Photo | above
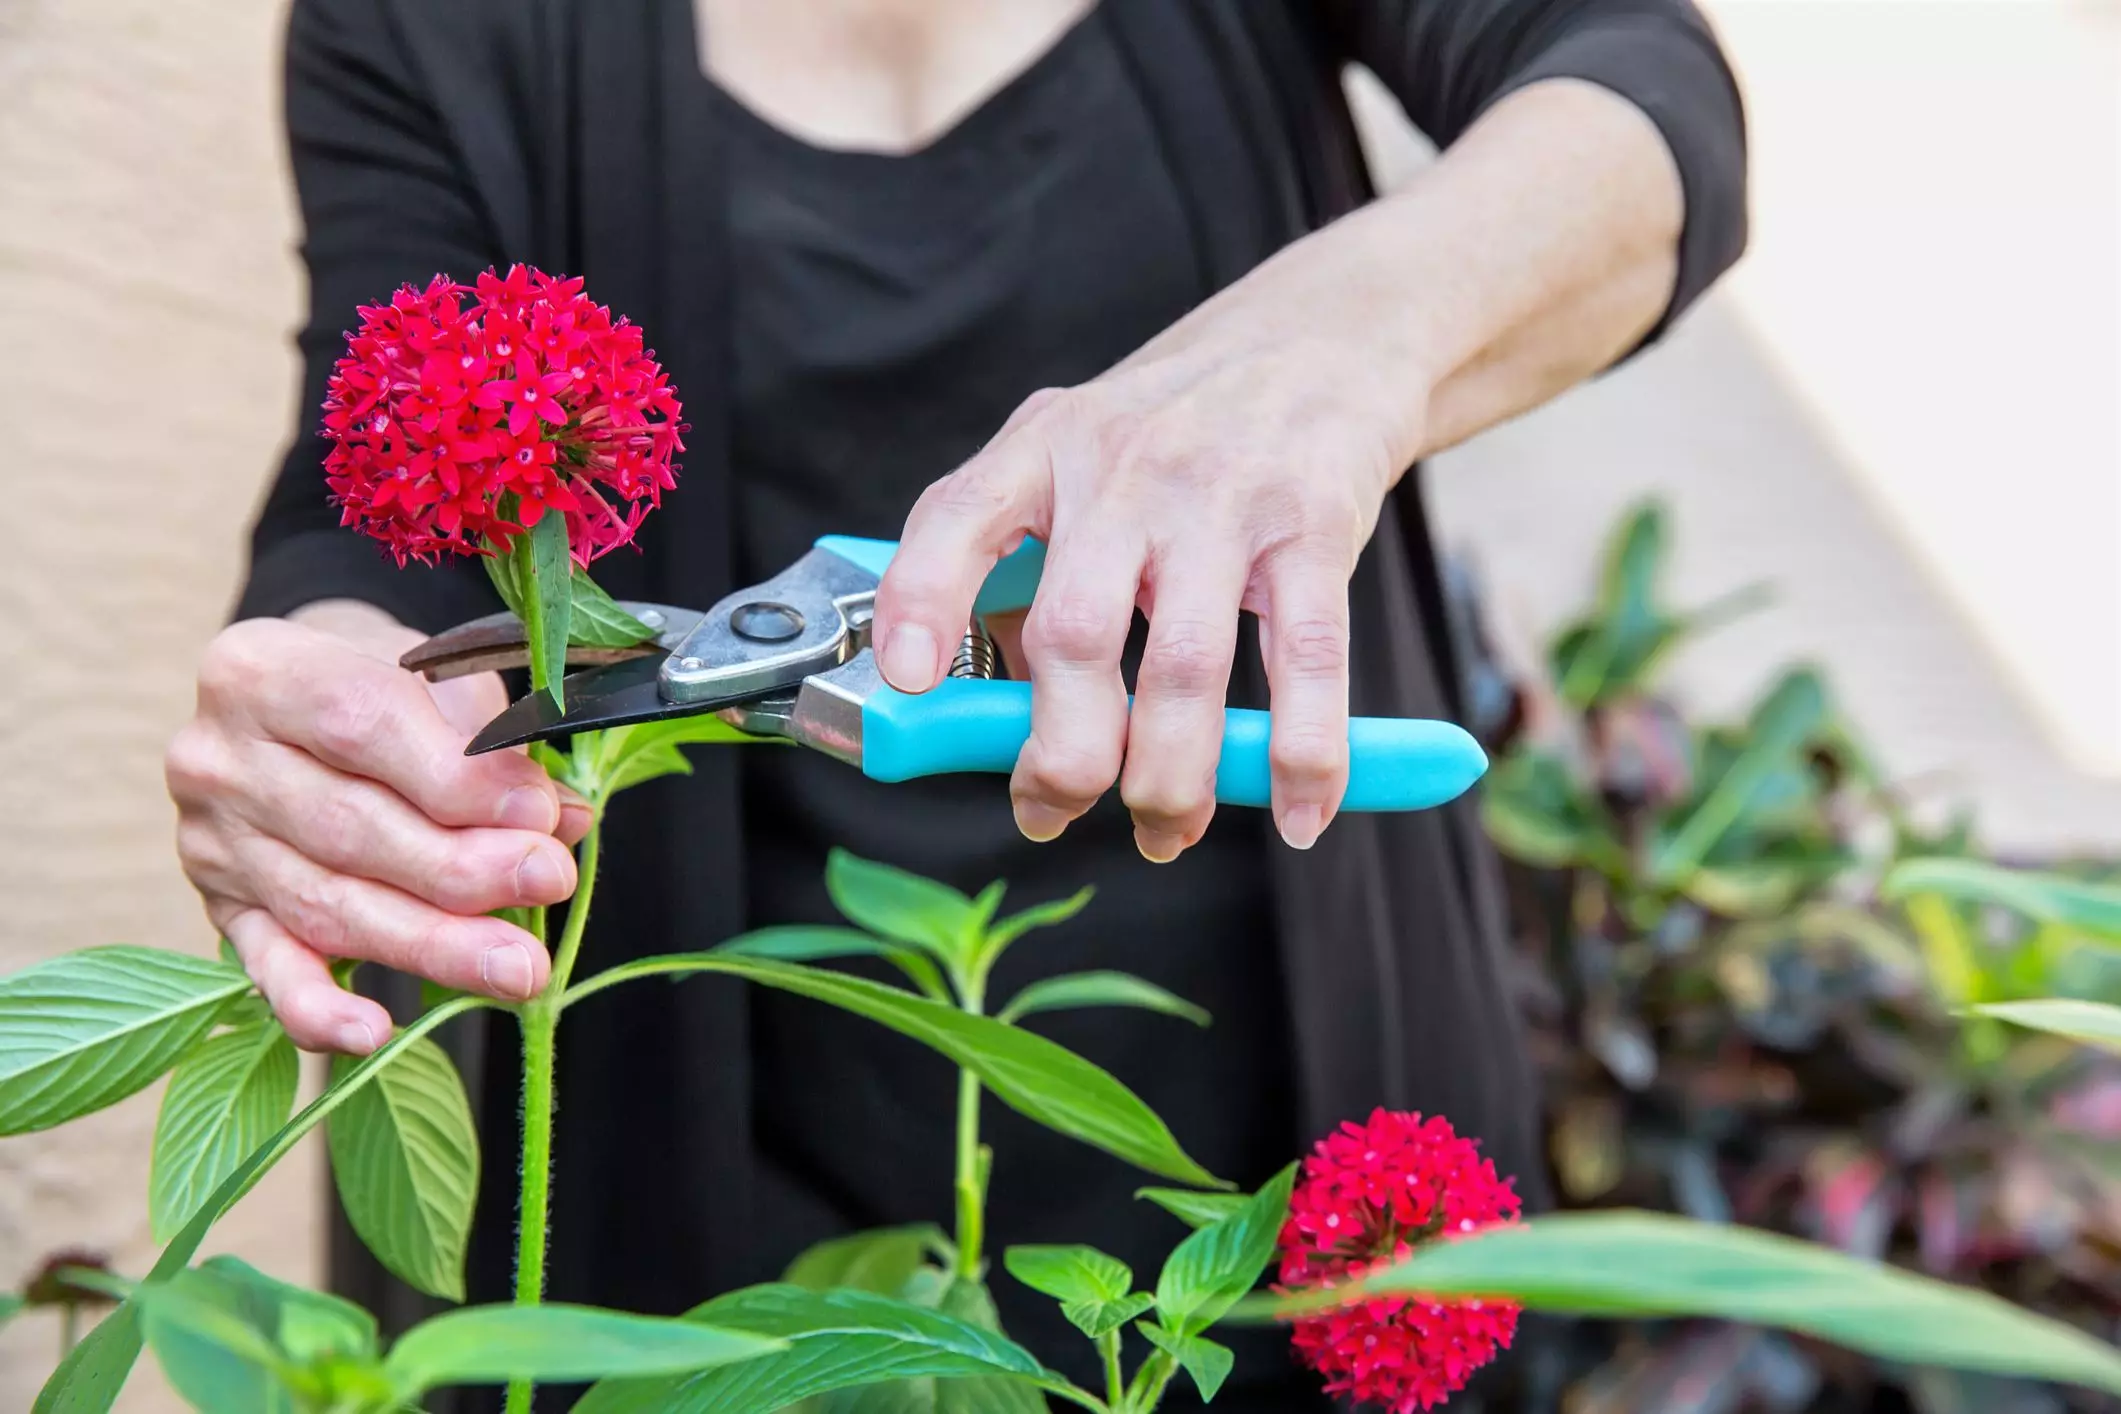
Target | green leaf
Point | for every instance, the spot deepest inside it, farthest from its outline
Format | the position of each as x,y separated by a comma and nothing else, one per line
903,907
1534,812
1086,989
598,621
1041,915
211,1352
1787,718
558,1342
968,1300
544,574
88,1380
405,1157
835,1340
1207,1273
11,1306
2087,908
89,1029
1091,1286
1630,1264
1030,1074
1208,1363
1070,1273
879,1260
307,1325
1194,1209
632,755
226,1098
2094,1023
804,943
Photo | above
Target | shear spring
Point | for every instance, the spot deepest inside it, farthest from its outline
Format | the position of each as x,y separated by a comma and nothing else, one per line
975,656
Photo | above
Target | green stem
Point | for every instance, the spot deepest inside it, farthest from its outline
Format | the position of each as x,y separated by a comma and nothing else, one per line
540,1018
1115,1380
971,1199
69,1329
1149,1382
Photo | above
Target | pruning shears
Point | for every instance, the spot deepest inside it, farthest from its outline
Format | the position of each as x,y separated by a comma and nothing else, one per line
790,658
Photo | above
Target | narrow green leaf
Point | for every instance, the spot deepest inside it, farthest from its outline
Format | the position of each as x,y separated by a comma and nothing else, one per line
1627,1264
88,1380
633,755
307,1325
558,1342
1042,915
2094,1023
903,907
1030,1074
835,1340
1208,1363
545,575
10,1307
879,1260
1088,989
503,571
968,1300
1792,713
1097,1319
804,943
1207,1273
405,1157
598,621
1194,1209
1070,1273
89,1029
225,1098
2087,908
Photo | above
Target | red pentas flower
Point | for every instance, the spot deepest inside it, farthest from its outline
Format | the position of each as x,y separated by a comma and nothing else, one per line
452,397
1369,1195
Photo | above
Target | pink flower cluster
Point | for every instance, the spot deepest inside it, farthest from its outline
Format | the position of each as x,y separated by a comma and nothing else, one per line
440,408
1370,1194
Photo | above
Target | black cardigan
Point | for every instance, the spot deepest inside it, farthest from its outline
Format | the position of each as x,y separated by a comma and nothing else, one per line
451,136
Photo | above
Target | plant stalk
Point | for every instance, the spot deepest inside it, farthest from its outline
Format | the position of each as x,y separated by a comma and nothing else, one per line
1115,1379
971,1204
540,1018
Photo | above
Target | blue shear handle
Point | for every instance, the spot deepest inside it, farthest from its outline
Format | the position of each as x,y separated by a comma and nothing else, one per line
1010,584
968,724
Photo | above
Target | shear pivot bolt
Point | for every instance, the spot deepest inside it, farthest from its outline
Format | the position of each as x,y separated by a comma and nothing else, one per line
765,622
691,665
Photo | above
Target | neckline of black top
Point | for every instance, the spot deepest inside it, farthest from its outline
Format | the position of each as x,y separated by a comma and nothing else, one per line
1012,112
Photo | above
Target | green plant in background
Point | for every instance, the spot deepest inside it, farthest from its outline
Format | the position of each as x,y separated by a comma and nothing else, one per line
1733,1022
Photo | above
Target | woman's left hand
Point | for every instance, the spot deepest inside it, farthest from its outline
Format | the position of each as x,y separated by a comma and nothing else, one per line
1236,462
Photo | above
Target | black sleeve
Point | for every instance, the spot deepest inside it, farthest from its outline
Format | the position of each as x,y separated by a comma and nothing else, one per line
1448,61
384,201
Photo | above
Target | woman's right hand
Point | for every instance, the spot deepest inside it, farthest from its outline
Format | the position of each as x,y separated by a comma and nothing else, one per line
326,809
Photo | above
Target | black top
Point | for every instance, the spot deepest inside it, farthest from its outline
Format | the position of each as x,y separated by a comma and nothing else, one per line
889,313
579,136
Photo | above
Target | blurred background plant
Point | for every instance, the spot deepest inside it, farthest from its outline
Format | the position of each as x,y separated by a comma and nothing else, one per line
1736,1016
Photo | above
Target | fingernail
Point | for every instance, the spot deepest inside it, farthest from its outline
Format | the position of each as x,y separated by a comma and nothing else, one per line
1039,822
529,808
540,878
1158,847
505,970
570,798
356,1038
1302,825
909,658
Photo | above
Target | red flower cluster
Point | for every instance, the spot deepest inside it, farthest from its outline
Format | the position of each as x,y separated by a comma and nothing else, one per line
1370,1194
440,409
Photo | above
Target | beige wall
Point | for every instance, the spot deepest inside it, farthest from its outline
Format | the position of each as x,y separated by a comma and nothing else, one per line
146,288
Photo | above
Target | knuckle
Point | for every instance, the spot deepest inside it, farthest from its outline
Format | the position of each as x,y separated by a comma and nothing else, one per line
1189,658
196,763
1315,647
1069,774
237,658
1307,753
464,881
1070,628
318,910
337,826
353,720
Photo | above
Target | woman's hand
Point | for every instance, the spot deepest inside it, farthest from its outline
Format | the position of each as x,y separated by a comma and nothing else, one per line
1240,459
325,809
1237,462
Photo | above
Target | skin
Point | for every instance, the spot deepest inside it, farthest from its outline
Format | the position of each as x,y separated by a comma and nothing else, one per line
1238,462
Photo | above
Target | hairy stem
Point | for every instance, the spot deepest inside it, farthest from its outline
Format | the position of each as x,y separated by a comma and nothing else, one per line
1149,1381
1115,1381
971,1200
540,1019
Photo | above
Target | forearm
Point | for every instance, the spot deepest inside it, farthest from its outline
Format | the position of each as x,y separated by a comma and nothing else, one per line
1535,251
